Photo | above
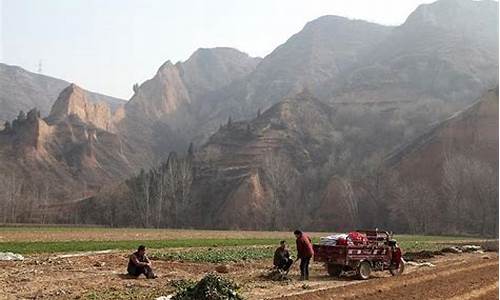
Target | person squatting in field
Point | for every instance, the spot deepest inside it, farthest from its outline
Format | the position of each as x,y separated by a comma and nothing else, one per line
282,260
139,263
304,253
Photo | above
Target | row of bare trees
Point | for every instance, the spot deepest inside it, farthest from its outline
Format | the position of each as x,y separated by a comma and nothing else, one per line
21,200
461,199
162,195
157,198
282,179
464,200
471,187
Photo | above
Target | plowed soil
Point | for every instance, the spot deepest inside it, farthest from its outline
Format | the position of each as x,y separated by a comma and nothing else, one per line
464,276
467,277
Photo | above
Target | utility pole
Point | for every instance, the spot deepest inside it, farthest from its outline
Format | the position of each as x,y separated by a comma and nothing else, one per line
40,66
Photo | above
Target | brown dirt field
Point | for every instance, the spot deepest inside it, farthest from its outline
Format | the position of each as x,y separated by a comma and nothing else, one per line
466,277
47,277
117,234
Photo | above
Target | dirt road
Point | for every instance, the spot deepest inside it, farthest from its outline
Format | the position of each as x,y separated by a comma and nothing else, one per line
469,277
464,276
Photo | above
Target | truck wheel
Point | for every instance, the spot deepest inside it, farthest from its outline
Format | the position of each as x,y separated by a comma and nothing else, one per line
364,270
399,270
334,270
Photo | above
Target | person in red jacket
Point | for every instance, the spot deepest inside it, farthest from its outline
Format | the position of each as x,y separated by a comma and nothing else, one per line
304,253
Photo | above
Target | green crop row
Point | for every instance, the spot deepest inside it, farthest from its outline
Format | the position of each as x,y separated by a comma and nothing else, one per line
217,255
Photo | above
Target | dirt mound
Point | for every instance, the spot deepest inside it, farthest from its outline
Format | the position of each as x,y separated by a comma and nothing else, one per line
421,255
276,275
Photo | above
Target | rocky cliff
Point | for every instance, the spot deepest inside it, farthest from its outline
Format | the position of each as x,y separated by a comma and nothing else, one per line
167,111
23,90
67,156
73,102
246,166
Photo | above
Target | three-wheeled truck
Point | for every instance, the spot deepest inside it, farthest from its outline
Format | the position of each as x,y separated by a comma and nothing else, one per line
377,252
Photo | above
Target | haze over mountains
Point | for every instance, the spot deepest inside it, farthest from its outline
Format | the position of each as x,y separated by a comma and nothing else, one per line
296,135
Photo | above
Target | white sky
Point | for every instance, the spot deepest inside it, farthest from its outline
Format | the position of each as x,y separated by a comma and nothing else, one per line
108,45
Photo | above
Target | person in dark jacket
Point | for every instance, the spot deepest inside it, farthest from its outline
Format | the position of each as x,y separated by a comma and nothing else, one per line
282,260
304,252
139,263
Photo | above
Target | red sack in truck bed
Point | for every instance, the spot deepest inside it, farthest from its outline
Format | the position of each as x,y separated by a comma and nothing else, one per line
357,237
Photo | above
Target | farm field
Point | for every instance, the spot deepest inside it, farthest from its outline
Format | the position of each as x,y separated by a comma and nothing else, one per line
51,270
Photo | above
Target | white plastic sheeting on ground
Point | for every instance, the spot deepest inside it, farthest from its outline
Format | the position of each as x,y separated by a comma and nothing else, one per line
416,264
10,256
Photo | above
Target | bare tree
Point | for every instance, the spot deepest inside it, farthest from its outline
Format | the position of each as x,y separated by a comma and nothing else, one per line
160,183
11,197
472,189
280,176
4,205
350,202
185,181
139,187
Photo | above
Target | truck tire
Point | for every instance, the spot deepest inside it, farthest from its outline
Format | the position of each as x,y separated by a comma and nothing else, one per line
334,270
399,270
364,270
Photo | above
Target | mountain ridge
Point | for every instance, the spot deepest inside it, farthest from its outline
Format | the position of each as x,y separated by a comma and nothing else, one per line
36,90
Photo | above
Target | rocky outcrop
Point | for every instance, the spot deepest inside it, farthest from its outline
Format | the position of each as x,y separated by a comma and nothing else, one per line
23,90
73,102
176,90
162,96
170,109
29,134
235,167
68,155
246,206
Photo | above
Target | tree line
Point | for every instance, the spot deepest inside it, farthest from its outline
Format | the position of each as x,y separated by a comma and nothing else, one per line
157,198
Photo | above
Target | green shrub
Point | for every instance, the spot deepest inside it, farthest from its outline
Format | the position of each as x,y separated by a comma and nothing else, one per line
211,287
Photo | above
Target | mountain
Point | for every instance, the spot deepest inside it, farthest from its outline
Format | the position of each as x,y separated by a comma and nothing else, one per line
296,138
23,90
445,52
451,172
328,47
84,145
69,155
246,166
323,51
166,111
180,89
444,55
248,174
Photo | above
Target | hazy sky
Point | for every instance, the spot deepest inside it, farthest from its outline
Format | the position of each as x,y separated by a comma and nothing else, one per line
107,45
